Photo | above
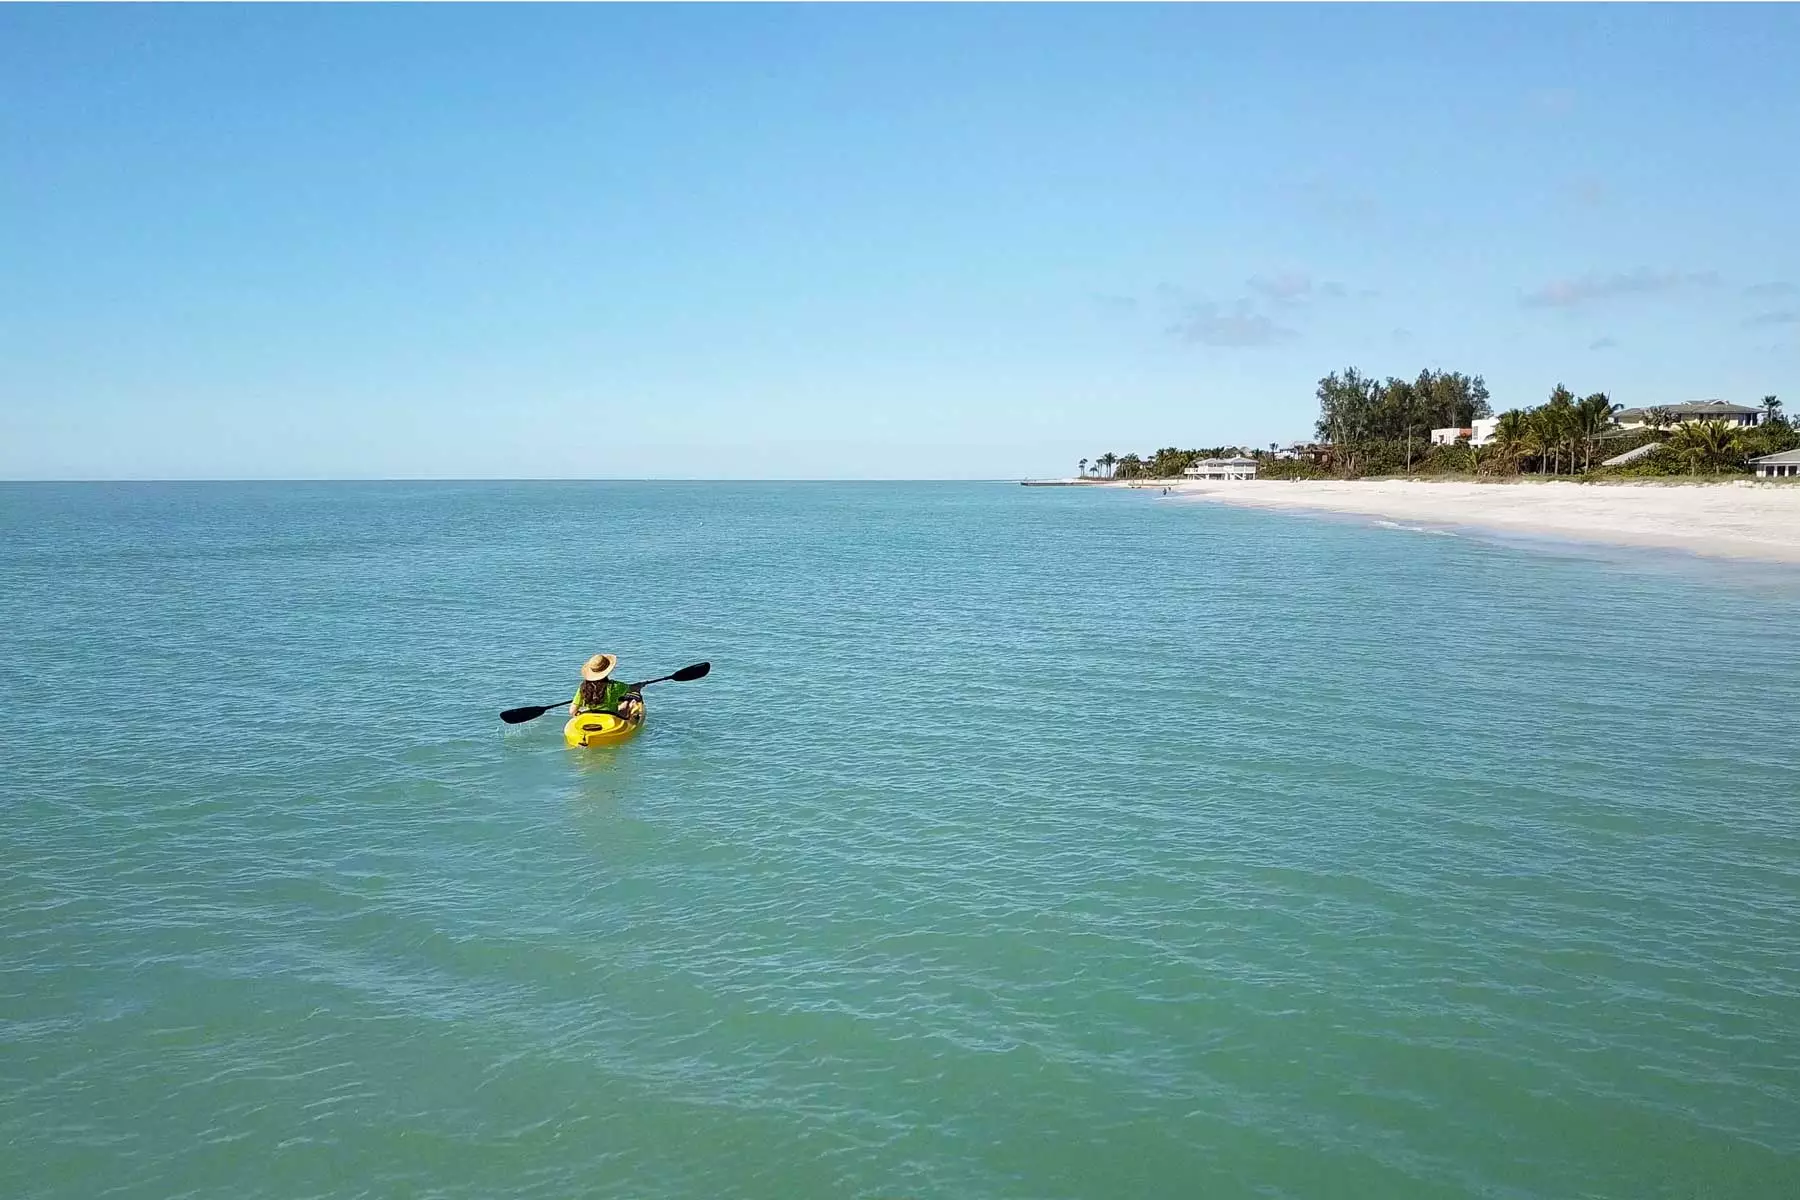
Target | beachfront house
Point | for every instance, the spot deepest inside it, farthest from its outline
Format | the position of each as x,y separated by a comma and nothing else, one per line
1697,410
1478,432
1785,465
1313,452
1237,467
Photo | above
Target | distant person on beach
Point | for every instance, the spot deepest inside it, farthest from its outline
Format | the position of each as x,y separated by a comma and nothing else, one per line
601,693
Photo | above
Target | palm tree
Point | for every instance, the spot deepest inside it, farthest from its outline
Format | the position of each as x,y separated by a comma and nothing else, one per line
1084,468
1592,416
1108,460
1658,418
1558,426
1512,435
1548,431
1771,408
1710,444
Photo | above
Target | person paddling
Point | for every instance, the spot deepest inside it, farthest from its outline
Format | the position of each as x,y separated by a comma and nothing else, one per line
601,693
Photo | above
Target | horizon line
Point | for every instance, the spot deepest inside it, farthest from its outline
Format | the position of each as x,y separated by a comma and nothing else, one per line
532,479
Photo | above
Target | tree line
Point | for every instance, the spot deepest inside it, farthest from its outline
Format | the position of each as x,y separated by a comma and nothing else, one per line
1383,426
1548,437
1557,431
1359,414
1166,463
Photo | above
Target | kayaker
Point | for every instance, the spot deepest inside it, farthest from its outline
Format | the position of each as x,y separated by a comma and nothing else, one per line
601,693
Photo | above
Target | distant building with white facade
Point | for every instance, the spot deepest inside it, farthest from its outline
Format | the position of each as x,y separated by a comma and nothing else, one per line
1223,468
1785,465
1478,432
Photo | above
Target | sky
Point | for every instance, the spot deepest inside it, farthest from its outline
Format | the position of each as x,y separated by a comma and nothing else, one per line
862,241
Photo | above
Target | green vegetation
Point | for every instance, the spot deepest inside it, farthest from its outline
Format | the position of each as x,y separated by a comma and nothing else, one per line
1709,448
1364,420
1373,427
1557,437
1167,463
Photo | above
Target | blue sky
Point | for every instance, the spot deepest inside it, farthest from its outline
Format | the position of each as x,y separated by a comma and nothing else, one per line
836,241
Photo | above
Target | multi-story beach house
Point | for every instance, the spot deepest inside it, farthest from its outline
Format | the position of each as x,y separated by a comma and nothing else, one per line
1237,467
1478,432
1694,410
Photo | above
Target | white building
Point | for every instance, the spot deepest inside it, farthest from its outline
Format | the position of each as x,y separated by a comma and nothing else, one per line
1785,465
1449,437
1482,431
1223,468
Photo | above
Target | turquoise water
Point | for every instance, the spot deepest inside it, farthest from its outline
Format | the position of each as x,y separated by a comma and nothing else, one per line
1023,843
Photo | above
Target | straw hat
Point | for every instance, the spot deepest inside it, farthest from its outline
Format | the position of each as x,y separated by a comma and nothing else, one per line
599,667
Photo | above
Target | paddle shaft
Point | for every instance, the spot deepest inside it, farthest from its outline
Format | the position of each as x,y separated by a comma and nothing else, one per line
518,716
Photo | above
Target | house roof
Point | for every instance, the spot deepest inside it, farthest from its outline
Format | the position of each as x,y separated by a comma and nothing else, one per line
1786,456
1633,454
1710,408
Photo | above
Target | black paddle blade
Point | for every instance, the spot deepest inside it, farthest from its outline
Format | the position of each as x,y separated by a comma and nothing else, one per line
689,674
518,716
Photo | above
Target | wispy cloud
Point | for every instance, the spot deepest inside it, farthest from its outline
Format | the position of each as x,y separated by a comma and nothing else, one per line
1605,343
1117,305
1287,287
1208,325
1764,320
1258,317
1294,287
1772,289
1586,289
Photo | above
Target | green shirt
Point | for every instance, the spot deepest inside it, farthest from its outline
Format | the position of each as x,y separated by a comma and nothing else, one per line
615,693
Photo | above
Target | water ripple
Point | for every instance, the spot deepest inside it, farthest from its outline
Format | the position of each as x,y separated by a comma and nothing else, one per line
1020,844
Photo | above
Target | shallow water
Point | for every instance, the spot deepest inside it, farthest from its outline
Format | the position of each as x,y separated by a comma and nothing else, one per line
1023,842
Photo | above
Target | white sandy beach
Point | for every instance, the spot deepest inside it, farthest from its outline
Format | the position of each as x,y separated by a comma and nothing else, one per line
1728,520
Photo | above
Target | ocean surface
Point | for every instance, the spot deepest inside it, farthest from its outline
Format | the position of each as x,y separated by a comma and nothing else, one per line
1022,843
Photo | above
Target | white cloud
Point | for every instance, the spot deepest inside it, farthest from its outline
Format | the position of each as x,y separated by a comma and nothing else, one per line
1585,289
1208,326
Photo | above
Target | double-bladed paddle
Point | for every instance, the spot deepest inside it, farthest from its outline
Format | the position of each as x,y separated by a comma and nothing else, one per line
518,716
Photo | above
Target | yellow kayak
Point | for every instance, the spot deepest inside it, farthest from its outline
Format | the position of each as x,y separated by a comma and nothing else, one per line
601,729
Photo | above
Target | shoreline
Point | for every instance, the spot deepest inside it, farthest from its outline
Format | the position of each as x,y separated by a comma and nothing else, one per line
1739,519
